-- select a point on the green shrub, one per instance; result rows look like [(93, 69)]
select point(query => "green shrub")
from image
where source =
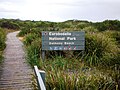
[(108, 25), (24, 31), (2, 39), (100, 49), (82, 25), (113, 34), (1, 57), (2, 42), (29, 38), (36, 31), (60, 80), (10, 25), (66, 74), (33, 52), (90, 29)]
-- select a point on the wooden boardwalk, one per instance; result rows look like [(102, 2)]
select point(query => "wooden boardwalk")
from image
[(15, 73)]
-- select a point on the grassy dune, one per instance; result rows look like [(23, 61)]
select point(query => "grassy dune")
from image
[(97, 69)]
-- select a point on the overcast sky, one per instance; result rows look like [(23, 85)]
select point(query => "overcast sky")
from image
[(60, 10)]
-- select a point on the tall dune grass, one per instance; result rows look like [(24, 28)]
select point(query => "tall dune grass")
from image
[(101, 49), (71, 74), (97, 69), (2, 42)]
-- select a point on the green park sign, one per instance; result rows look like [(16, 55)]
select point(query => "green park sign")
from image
[(53, 40)]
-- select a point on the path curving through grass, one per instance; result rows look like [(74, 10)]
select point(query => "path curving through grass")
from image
[(15, 73)]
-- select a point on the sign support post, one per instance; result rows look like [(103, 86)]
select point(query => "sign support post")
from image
[(43, 55)]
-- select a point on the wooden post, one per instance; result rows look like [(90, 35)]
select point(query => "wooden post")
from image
[(119, 84), (83, 52), (43, 55)]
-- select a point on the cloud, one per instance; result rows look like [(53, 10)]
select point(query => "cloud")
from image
[(56, 10), (3, 10), (10, 8), (13, 1), (93, 11)]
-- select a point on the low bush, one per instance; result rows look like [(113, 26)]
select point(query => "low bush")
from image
[(100, 49), (2, 39), (33, 52), (2, 42), (10, 25), (66, 74), (60, 80), (24, 31), (29, 38), (113, 34)]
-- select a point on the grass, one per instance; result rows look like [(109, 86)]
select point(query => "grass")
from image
[(97, 69), (2, 42), (3, 33), (101, 49), (97, 72), (72, 74), (1, 57)]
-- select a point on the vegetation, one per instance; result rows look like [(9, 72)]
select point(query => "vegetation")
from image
[(2, 42), (71, 74), (97, 69), (6, 26), (101, 50)]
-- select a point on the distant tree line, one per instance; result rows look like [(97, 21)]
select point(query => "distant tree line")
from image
[(17, 24), (108, 25)]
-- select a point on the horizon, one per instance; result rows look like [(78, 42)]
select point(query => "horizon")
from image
[(57, 21)]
